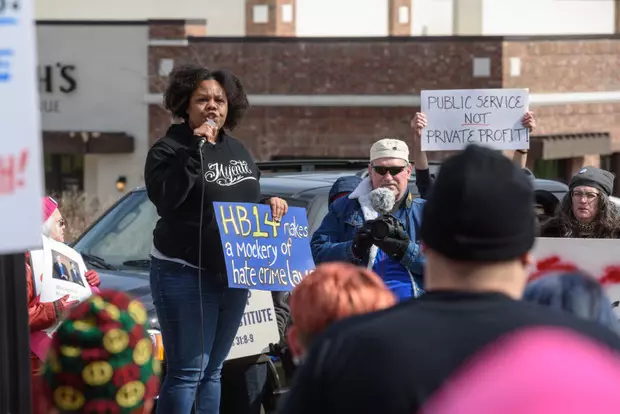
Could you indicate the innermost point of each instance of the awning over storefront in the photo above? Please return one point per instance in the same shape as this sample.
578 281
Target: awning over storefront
553 147
71 142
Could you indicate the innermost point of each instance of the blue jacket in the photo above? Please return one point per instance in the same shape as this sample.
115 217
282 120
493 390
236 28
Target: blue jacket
333 240
346 184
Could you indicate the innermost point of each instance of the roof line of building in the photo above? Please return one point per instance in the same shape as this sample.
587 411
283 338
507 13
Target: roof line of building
83 22
326 39
363 39
413 100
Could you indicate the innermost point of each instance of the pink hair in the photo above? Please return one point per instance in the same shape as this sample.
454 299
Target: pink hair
336 291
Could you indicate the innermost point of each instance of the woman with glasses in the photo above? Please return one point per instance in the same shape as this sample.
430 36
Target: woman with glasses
586 211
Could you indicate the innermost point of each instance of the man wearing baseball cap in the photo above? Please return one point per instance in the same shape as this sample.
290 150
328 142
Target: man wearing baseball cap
477 257
347 234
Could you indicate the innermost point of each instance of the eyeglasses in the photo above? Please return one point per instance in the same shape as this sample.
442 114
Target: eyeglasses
392 170
589 195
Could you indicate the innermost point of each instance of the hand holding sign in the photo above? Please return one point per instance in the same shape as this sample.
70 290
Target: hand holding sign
279 208
262 253
418 123
529 121
64 304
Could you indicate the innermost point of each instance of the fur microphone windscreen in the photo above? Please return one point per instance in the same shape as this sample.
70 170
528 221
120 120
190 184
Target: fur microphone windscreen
382 200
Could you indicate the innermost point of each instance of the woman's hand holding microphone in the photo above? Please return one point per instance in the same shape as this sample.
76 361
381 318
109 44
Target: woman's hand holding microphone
208 130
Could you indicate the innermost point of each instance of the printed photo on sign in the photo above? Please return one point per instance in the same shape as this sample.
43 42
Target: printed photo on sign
490 117
66 269
58 271
258 327
260 253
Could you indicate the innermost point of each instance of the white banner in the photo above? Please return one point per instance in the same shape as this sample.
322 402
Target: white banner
58 270
490 117
258 328
21 172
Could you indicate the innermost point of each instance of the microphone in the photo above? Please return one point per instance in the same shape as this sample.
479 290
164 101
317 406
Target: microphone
203 140
382 200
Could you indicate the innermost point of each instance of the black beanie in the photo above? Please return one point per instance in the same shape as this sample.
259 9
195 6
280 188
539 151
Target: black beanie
594 177
481 208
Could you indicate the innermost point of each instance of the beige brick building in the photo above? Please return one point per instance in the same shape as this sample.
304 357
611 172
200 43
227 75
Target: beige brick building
334 97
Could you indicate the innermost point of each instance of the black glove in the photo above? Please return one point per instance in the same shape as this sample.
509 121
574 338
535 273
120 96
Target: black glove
362 242
395 245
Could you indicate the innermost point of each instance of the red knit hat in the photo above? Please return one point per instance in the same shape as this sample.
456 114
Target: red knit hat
49 206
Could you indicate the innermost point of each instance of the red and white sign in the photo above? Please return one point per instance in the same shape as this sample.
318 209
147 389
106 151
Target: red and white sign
21 172
597 257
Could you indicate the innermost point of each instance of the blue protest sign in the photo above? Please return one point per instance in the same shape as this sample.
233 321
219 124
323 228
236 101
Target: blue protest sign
260 253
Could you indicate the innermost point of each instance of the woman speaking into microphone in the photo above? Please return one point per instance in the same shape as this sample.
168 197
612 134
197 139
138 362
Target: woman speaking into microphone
195 164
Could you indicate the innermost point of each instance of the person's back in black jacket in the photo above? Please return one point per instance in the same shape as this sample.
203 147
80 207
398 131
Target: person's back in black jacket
393 361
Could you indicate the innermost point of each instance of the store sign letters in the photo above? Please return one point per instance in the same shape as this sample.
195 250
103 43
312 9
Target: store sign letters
56 79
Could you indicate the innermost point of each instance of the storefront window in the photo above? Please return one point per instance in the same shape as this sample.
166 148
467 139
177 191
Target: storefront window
549 169
64 172
606 162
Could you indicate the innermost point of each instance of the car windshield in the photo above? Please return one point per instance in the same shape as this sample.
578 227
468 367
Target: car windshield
123 236
317 211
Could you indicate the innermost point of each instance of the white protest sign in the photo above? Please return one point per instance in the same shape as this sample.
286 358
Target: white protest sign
598 257
37 264
58 270
258 328
21 172
490 117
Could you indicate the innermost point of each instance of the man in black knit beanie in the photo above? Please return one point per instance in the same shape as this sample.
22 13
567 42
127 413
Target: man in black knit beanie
477 255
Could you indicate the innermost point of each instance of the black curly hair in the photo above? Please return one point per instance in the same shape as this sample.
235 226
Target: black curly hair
184 80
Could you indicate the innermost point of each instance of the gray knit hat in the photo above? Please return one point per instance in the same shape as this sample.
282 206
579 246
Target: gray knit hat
594 177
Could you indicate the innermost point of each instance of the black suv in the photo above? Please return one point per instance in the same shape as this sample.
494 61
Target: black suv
118 244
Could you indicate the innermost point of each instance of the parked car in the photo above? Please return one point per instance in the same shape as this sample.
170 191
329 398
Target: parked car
118 244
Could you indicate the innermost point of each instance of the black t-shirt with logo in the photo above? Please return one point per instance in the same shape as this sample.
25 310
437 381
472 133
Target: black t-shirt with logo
173 182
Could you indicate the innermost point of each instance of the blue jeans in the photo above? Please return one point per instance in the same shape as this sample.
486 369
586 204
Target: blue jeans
175 295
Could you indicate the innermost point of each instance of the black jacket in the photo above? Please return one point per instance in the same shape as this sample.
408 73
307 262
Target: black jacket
424 182
392 361
172 175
